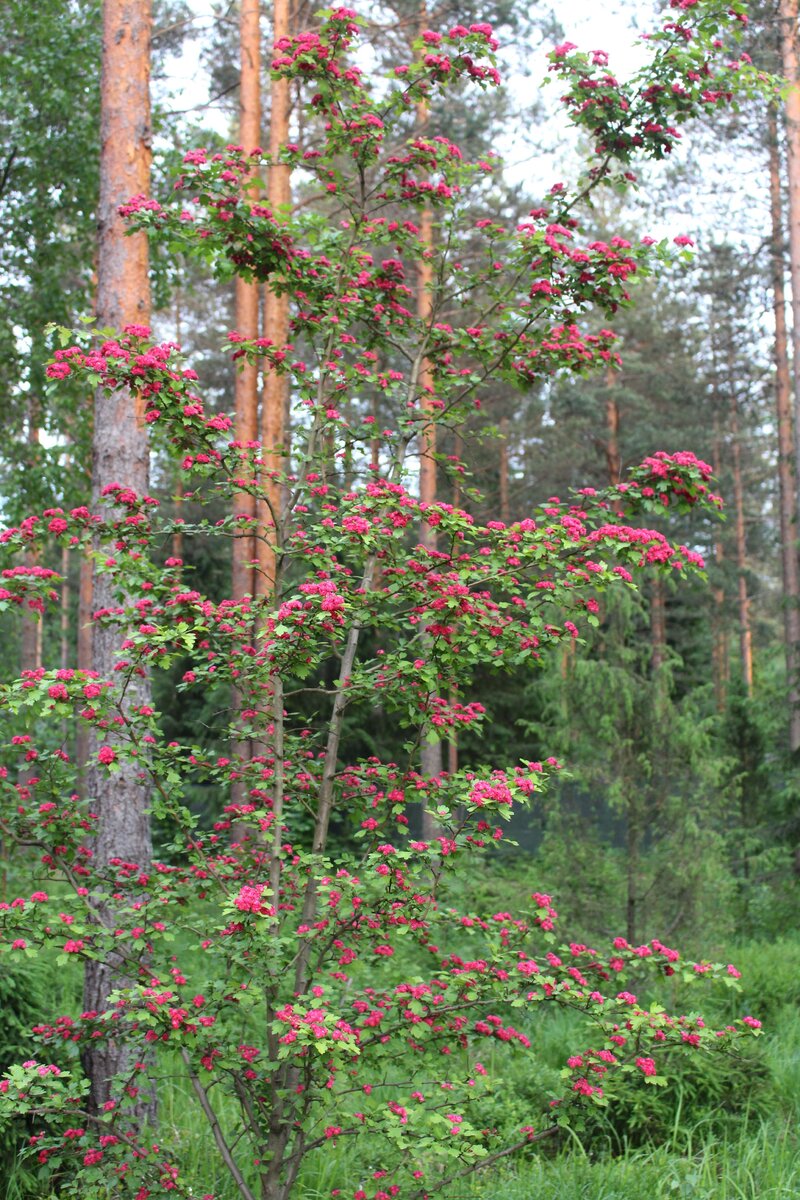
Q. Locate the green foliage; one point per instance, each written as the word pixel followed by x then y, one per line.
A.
pixel 770 979
pixel 282 910
pixel 28 987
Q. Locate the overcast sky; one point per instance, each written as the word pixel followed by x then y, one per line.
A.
pixel 729 196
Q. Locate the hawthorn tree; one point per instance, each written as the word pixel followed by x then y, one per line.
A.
pixel 330 989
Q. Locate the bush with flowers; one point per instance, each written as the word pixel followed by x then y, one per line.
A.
pixel 334 993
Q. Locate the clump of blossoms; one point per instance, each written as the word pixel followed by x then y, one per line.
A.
pixel 332 991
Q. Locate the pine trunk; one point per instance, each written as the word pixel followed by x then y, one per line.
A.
pixel 633 849
pixel 721 645
pixel 65 603
pixel 247 295
pixel 84 658
pixel 787 12
pixel 786 472
pixel 658 624
pixel 245 544
pixel 505 504
pixel 613 458
pixel 120 454
pixel 276 328
pixel 745 630
pixel 452 745
pixel 31 640
pixel 431 760
pixel 720 651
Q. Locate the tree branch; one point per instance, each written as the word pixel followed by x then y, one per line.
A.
pixel 219 1136
pixel 7 169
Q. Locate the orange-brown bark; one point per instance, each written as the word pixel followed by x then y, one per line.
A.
pixel 452 745
pixel 247 294
pixel 120 449
pixel 720 648
pixel 427 449
pixel 786 471
pixel 276 328
pixel 123 289
pixel 431 752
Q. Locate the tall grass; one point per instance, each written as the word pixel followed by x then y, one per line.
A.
pixel 762 1164
pixel 737 1140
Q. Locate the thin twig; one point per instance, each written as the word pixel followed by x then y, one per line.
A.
pixel 489 1160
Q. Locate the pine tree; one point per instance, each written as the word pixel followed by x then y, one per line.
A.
pixel 120 453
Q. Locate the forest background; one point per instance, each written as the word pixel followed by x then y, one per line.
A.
pixel 677 813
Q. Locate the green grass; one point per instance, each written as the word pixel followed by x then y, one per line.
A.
pixel 763 1164
pixel 734 1140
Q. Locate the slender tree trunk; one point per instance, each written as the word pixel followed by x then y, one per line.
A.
pixel 245 545
pixel 276 328
pixel 613 458
pixel 177 536
pixel 658 623
pixel 427 446
pixel 745 630
pixel 720 652
pixel 84 658
pixel 632 857
pixel 787 12
pixel 452 745
pixel 65 603
pixel 721 646
pixel 427 449
pixel 431 751
pixel 64 656
pixel 505 506
pixel 375 441
pixel 786 473
pixel 120 454
pixel 247 295
pixel 32 623
pixel 31 648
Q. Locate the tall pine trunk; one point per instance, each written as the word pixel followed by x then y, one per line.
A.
pixel 505 499
pixel 247 294
pixel 120 454
pixel 31 641
pixel 452 744
pixel 720 653
pixel 84 658
pixel 745 626
pixel 245 544
pixel 658 623
pixel 430 751
pixel 786 472
pixel 787 12
pixel 274 397
pixel 613 456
